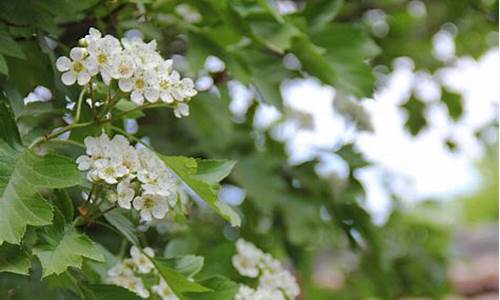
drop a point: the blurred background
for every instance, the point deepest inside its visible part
(366, 133)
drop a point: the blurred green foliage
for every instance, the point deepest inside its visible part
(289, 211)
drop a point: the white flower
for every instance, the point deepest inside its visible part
(151, 205)
(84, 162)
(143, 84)
(78, 68)
(123, 275)
(264, 294)
(39, 94)
(247, 259)
(94, 35)
(282, 281)
(144, 54)
(122, 66)
(124, 194)
(245, 293)
(141, 261)
(164, 291)
(110, 170)
(101, 53)
(181, 110)
(97, 147)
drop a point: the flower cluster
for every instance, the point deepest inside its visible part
(275, 282)
(128, 273)
(135, 65)
(134, 177)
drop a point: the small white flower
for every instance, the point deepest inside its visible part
(84, 163)
(245, 293)
(248, 258)
(181, 110)
(101, 53)
(124, 194)
(109, 170)
(142, 85)
(141, 261)
(39, 94)
(122, 66)
(78, 68)
(282, 281)
(151, 205)
(265, 294)
(164, 291)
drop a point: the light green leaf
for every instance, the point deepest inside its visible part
(223, 289)
(14, 260)
(21, 173)
(189, 265)
(179, 283)
(186, 169)
(65, 248)
(213, 170)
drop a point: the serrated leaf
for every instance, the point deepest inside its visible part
(63, 249)
(14, 260)
(112, 292)
(186, 169)
(179, 283)
(21, 174)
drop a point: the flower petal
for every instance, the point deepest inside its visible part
(63, 64)
(68, 78)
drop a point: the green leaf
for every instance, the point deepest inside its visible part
(4, 68)
(337, 56)
(63, 248)
(179, 283)
(454, 103)
(117, 218)
(416, 119)
(322, 12)
(112, 292)
(223, 289)
(13, 259)
(189, 265)
(213, 170)
(21, 174)
(8, 46)
(9, 132)
(186, 169)
(124, 105)
(65, 204)
(352, 156)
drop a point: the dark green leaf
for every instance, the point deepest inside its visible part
(13, 259)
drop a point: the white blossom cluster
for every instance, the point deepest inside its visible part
(275, 282)
(137, 66)
(127, 274)
(135, 177)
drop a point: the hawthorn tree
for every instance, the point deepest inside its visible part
(111, 160)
